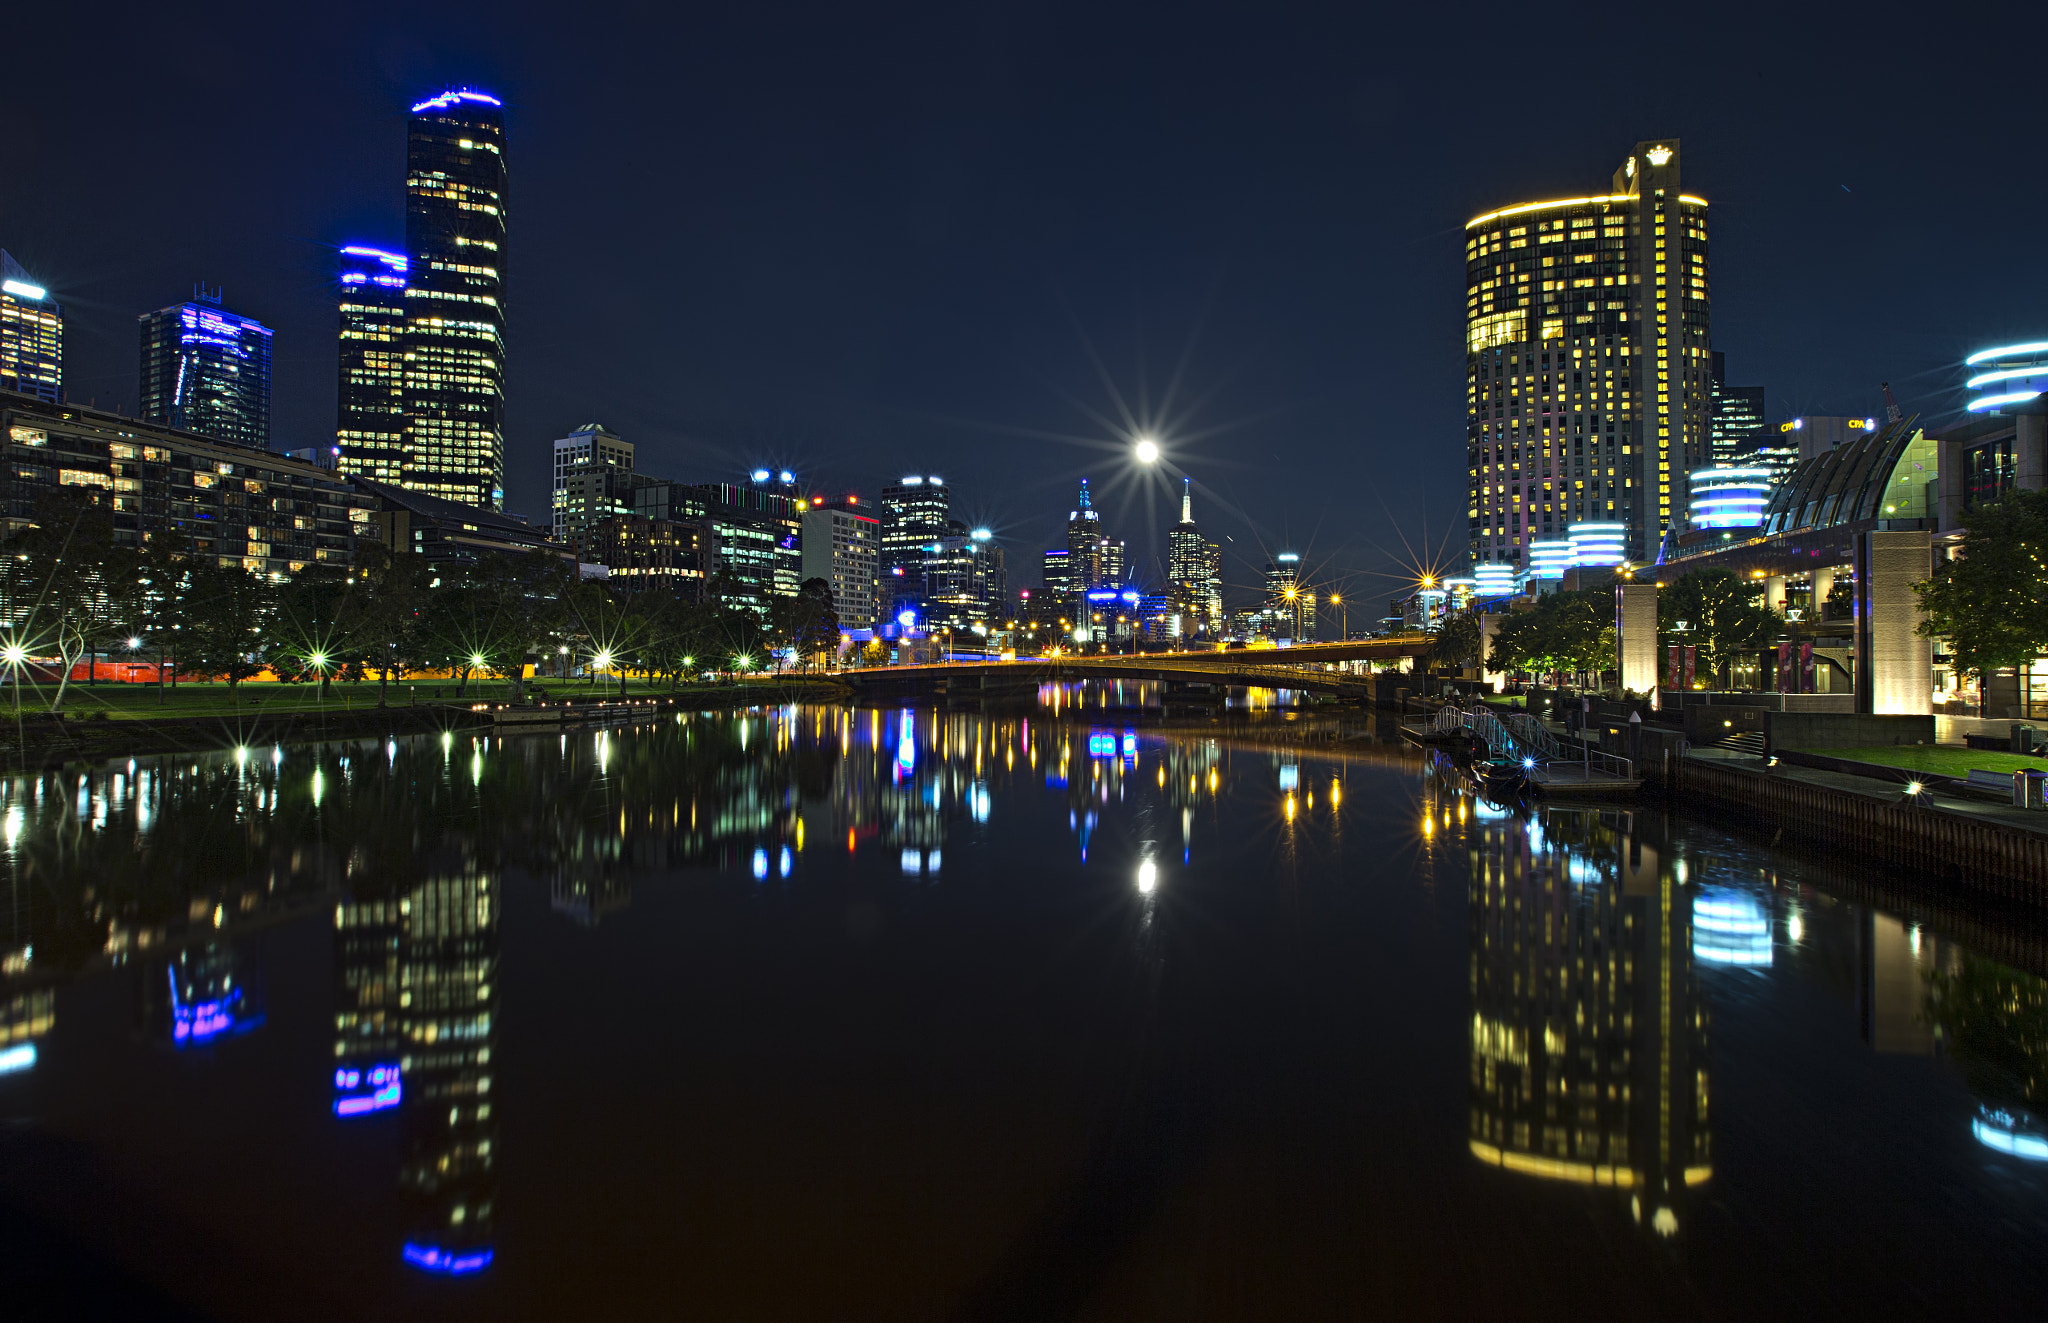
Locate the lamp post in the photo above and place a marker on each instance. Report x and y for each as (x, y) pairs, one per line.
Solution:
(1343, 616)
(1681, 628)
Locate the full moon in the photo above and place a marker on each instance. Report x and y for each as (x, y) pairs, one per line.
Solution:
(1148, 450)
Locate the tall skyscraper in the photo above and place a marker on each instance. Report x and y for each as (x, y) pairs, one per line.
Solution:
(1587, 369)
(915, 512)
(1086, 569)
(207, 370)
(1193, 570)
(454, 337)
(31, 335)
(1288, 613)
(1738, 414)
(369, 427)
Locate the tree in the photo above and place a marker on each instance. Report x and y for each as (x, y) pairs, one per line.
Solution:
(1724, 617)
(311, 629)
(808, 623)
(384, 626)
(1986, 599)
(1563, 631)
(223, 620)
(64, 585)
(1458, 642)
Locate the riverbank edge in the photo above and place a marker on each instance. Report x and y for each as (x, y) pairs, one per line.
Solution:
(53, 744)
(1986, 860)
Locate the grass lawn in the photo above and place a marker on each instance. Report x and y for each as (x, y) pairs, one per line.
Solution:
(1943, 759)
(127, 702)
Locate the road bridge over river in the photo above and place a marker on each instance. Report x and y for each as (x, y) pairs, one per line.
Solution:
(1304, 666)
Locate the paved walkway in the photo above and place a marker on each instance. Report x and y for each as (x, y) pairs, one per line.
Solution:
(1978, 807)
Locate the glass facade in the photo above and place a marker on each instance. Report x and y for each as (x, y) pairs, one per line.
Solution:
(369, 426)
(31, 335)
(207, 370)
(1587, 363)
(1738, 414)
(454, 336)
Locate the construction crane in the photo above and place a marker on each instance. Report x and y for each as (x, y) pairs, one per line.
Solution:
(1892, 412)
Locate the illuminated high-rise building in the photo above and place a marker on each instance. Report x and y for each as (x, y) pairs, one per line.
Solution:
(1288, 608)
(593, 480)
(1588, 1031)
(1738, 414)
(454, 337)
(1086, 567)
(207, 370)
(448, 979)
(1193, 570)
(369, 426)
(1588, 372)
(31, 335)
(914, 514)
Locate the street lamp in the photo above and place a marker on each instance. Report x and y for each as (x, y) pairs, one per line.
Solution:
(1344, 614)
(1147, 450)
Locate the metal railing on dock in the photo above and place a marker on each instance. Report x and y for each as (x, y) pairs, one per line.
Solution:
(1520, 735)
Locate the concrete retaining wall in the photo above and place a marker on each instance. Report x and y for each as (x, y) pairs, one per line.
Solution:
(1981, 858)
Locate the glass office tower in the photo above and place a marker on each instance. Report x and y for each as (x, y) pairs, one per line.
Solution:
(1586, 361)
(207, 370)
(454, 336)
(31, 335)
(369, 429)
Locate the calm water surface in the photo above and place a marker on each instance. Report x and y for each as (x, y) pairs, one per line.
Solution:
(817, 1013)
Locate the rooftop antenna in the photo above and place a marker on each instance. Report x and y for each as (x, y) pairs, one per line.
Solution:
(1892, 412)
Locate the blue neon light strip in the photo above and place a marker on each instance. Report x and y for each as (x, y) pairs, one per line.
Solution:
(2000, 401)
(427, 1258)
(447, 99)
(2007, 1140)
(19, 1057)
(2006, 351)
(386, 1089)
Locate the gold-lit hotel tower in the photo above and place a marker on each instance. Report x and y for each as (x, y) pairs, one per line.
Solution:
(1587, 365)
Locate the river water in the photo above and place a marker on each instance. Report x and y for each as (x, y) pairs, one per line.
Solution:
(827, 1013)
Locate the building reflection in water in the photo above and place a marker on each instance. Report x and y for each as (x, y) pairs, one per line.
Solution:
(415, 1026)
(1589, 1037)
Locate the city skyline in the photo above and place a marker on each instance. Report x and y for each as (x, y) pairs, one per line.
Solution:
(1002, 389)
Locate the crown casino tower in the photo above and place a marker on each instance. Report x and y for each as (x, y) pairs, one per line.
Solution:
(1588, 373)
(454, 328)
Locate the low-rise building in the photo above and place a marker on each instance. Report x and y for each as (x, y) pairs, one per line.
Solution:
(265, 512)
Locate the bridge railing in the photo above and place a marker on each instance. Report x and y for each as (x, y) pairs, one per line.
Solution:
(1520, 735)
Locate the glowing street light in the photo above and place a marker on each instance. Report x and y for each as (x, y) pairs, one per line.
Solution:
(1148, 450)
(134, 643)
(476, 661)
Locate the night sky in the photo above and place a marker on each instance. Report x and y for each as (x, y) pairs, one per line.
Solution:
(867, 240)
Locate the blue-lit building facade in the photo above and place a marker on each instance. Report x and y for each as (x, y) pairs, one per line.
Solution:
(31, 335)
(369, 430)
(206, 369)
(454, 326)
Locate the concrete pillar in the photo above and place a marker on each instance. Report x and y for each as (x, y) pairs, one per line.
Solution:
(2030, 452)
(1894, 665)
(1635, 636)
